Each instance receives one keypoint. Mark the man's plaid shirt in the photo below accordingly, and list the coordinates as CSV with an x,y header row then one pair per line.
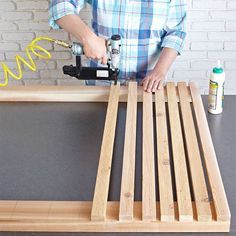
x,y
145,27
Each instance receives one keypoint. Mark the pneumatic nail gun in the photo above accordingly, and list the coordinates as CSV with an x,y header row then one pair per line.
x,y
95,73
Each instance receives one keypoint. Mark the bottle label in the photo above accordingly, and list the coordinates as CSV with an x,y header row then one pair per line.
x,y
214,93
212,98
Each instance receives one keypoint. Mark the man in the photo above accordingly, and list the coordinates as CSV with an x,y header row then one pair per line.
x,y
152,34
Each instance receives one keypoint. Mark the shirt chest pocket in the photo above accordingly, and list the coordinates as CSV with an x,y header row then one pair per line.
x,y
153,13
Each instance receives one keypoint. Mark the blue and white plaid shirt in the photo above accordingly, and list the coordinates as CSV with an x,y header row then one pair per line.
x,y
145,27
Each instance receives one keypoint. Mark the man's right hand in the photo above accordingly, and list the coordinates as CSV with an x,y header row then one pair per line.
x,y
95,48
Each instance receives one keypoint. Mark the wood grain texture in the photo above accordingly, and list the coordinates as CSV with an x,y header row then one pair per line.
x,y
53,93
148,167
180,168
66,216
105,161
48,93
163,160
128,171
194,159
213,172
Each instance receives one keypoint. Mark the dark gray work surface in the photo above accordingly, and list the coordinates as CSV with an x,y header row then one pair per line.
x,y
50,151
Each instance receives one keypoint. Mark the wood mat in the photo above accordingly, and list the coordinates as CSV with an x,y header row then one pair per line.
x,y
175,133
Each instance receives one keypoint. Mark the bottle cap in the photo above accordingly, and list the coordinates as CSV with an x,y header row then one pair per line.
x,y
218,69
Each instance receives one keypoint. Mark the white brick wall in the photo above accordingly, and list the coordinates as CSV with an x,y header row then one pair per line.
x,y
211,36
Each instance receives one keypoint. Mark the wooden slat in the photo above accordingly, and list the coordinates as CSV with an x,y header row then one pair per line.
x,y
163,161
128,171
61,216
213,172
104,167
180,168
48,93
53,93
197,174
148,181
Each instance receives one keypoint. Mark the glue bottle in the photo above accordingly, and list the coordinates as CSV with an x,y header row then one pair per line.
x,y
216,90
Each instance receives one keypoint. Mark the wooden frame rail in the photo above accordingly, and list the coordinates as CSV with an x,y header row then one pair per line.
x,y
185,156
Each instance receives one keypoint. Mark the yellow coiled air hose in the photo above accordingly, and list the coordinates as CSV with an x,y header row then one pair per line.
x,y
32,48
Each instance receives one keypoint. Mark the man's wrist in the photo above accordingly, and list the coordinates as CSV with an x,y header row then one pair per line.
x,y
87,36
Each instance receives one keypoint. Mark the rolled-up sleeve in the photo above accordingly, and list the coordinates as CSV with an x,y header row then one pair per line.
x,y
60,8
175,27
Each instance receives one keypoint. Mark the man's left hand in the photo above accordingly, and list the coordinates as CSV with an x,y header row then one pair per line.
x,y
153,81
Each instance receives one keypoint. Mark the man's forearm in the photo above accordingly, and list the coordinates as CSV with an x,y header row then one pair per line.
x,y
166,59
74,25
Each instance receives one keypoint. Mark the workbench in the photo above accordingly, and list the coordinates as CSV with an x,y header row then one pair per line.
x,y
50,151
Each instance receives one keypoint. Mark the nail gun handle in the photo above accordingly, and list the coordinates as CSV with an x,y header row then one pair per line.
x,y
77,49
112,45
